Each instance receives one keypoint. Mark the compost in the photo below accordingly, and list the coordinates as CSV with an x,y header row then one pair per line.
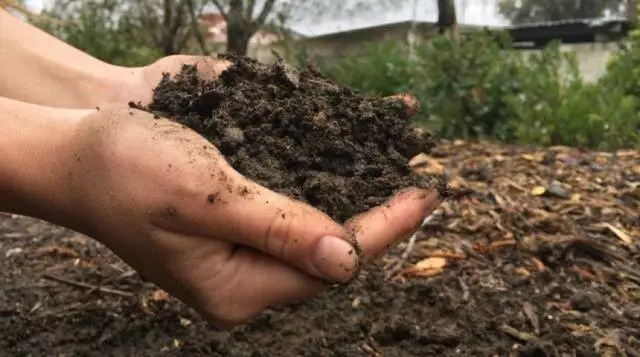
x,y
300,134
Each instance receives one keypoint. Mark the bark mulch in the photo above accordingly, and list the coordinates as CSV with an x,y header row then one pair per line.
x,y
537,253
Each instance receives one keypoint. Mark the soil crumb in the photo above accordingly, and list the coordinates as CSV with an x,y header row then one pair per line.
x,y
300,134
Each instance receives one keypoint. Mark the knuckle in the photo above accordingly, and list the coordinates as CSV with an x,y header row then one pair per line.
x,y
278,236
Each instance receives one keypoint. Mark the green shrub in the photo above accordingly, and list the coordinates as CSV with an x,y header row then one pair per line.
x,y
556,106
103,29
479,87
459,85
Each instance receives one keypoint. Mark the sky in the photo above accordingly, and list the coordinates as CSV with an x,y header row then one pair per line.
x,y
470,12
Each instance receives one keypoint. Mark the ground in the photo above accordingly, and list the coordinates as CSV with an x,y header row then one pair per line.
x,y
513,264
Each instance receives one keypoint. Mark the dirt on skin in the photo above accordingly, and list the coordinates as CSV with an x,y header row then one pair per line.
x,y
299,134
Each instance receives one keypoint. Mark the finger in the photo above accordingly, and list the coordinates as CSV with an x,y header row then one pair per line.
x,y
411,103
384,226
257,282
289,230
209,68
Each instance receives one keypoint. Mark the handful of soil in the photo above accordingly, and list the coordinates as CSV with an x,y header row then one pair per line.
x,y
299,134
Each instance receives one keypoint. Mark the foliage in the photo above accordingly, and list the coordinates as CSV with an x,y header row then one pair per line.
x,y
478,87
125,32
624,68
246,17
101,28
556,106
527,11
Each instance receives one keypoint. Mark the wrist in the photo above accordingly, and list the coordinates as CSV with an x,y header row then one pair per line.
x,y
35,150
40,69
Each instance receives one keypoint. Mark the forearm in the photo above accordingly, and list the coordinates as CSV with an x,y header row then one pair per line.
x,y
38,68
34,148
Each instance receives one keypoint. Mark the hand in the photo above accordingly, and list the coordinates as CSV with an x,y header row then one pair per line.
x,y
136,85
165,200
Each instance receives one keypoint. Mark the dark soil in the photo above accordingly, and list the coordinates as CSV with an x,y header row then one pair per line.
x,y
300,134
526,276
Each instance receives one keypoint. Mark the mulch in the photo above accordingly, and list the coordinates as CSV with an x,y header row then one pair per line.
x,y
537,253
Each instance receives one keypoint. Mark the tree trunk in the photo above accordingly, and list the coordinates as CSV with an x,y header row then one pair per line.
x,y
447,19
239,29
237,41
632,11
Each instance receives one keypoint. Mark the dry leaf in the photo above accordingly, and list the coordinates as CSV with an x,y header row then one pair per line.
x,y
423,164
160,295
538,191
457,183
355,303
427,267
618,232
423,273
57,250
431,263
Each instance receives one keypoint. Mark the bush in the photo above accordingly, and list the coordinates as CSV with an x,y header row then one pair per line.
x,y
459,85
479,87
555,106
103,29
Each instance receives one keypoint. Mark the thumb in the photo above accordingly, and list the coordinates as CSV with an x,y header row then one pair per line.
x,y
284,228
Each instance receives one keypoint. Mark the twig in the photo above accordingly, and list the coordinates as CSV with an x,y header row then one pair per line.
x,y
88,286
520,335
112,280
465,289
407,251
403,258
631,352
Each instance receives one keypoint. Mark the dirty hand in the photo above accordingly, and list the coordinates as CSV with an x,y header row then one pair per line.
x,y
137,84
165,200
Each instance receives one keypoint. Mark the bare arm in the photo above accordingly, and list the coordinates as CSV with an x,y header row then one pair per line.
x,y
38,68
34,143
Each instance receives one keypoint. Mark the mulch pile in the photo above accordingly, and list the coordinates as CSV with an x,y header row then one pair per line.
x,y
537,253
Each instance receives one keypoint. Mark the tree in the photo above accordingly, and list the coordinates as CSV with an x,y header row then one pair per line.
x,y
245,17
528,11
170,24
447,18
130,32
242,24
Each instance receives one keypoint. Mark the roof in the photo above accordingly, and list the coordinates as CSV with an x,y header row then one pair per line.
x,y
389,25
570,30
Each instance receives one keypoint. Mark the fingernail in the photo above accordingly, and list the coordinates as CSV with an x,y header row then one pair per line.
x,y
335,259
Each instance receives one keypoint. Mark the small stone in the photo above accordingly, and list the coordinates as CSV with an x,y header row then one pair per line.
x,y
234,135
13,251
586,300
556,189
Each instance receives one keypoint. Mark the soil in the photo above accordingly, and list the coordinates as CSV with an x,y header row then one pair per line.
x,y
536,253
297,133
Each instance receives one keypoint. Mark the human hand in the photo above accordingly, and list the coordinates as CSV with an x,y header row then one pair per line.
x,y
165,200
137,84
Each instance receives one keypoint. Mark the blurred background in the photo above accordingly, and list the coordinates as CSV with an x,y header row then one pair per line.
x,y
543,72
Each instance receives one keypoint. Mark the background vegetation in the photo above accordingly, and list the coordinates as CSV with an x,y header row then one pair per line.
x,y
471,86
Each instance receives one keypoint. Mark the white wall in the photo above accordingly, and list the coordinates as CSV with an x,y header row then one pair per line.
x,y
592,57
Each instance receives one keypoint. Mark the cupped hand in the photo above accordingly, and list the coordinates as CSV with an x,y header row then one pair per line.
x,y
137,84
165,200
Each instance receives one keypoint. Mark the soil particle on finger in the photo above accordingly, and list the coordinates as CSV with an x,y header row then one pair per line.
x,y
299,134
